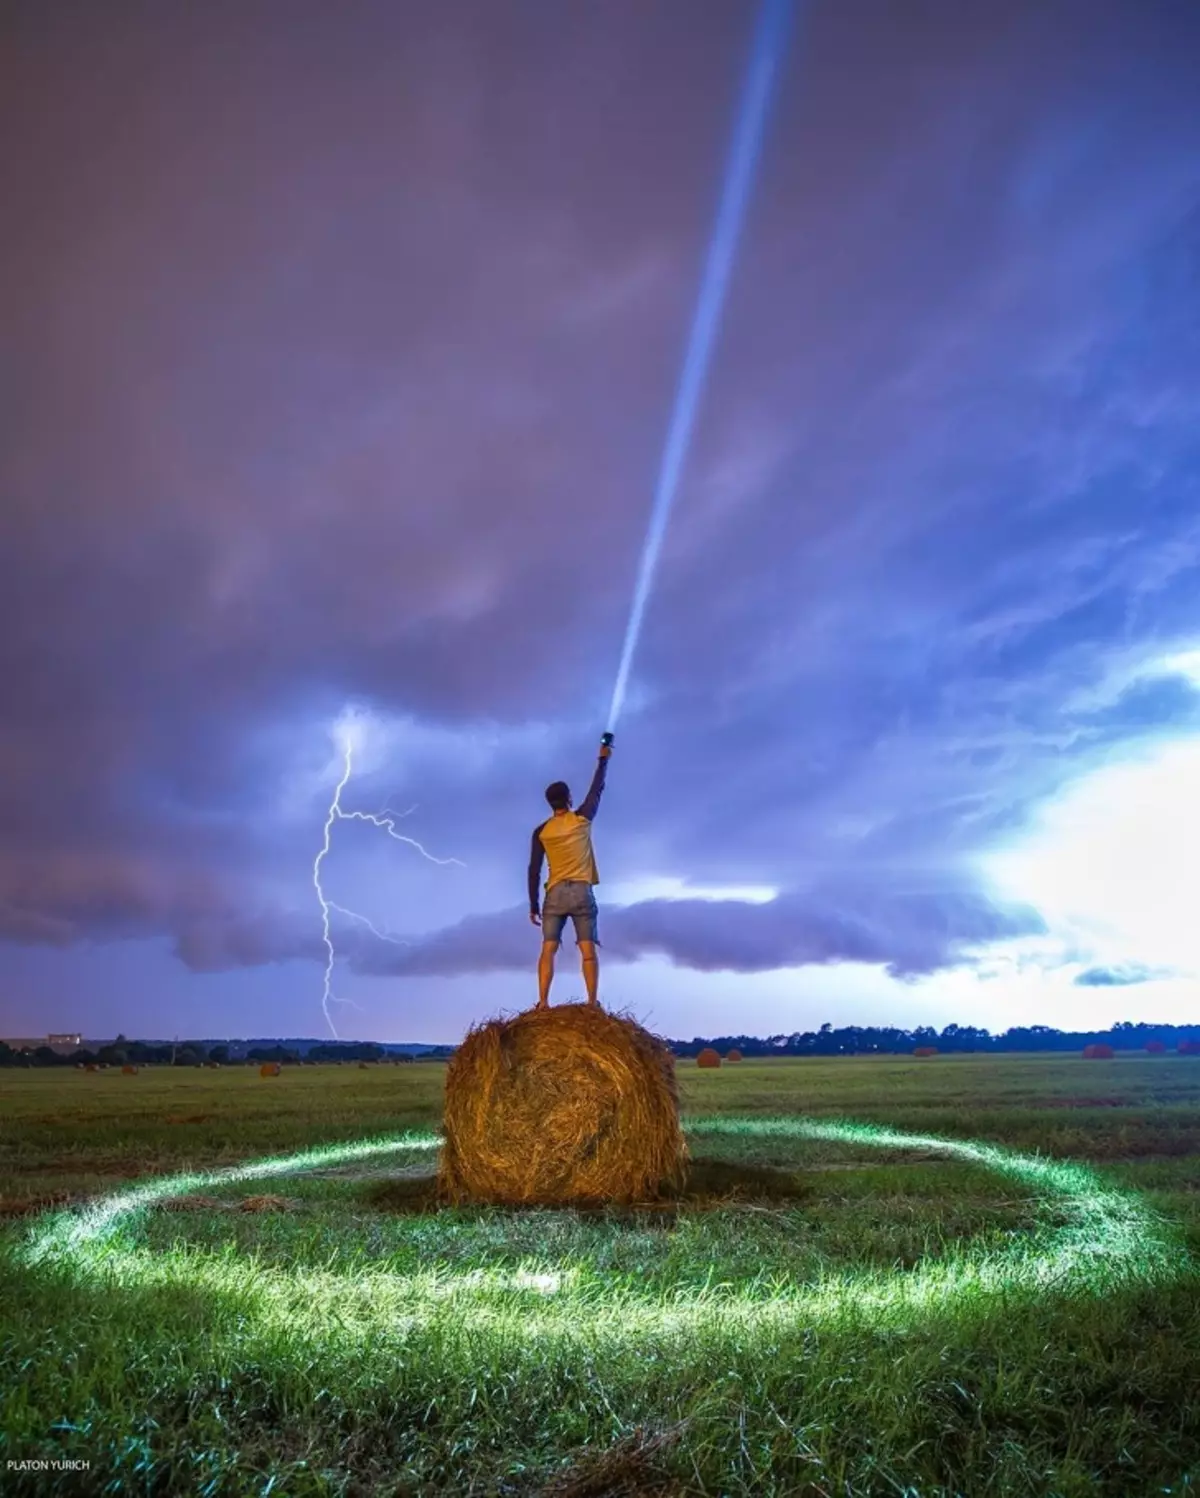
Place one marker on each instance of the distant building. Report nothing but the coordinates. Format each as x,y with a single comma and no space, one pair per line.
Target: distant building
62,1043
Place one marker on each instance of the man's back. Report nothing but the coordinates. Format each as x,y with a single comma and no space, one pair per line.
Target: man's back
565,841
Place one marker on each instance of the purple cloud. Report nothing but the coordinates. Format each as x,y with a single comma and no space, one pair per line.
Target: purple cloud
338,361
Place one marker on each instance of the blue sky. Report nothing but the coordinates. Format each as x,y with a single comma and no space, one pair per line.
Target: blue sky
340,348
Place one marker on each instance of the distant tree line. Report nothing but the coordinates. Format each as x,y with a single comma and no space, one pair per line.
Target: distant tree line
883,1040
344,1050
124,1052
121,1052
848,1040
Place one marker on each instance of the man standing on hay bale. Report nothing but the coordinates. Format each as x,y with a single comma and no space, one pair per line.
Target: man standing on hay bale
565,841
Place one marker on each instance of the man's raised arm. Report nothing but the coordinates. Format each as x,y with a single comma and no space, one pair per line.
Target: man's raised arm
591,801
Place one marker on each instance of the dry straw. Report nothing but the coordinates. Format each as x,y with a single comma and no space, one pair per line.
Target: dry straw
561,1105
708,1057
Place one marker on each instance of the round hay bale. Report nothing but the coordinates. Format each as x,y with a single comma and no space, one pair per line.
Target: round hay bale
1098,1053
270,1069
129,1071
362,1066
708,1057
734,1055
1188,1048
560,1105
1155,1048
91,1066
925,1050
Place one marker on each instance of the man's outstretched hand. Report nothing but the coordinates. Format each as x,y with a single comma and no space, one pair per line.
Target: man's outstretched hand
605,750
535,918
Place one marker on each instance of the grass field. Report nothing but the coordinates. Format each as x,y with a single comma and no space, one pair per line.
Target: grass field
825,1311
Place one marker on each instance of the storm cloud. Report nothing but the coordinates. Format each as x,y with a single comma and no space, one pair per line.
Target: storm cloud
339,347
912,935
1109,977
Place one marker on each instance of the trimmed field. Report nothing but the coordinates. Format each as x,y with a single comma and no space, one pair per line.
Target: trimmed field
948,1275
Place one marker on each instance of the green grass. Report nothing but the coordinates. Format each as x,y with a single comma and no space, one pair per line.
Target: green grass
824,1312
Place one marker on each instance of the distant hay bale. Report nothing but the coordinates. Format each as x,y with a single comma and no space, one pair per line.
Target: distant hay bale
1188,1048
734,1055
129,1071
708,1057
270,1069
1155,1048
213,1065
560,1105
362,1066
925,1050
91,1066
1098,1053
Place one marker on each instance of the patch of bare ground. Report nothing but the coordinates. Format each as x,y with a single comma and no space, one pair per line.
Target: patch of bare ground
198,1202
630,1469
267,1202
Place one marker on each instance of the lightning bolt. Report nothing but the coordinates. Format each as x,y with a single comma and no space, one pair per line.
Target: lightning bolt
396,941
386,820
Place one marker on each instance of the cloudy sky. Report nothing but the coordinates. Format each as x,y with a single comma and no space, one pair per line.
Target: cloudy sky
338,346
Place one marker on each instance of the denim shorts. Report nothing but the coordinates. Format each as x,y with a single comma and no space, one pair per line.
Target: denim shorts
574,898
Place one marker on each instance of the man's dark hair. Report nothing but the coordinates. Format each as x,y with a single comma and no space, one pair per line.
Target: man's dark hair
558,795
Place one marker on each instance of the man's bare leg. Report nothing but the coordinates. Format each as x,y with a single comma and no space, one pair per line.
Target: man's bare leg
546,973
591,969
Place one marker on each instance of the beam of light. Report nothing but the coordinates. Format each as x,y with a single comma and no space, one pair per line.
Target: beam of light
385,820
1096,1240
767,51
100,1217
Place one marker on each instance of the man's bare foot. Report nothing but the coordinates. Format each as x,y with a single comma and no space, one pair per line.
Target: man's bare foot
542,1004
593,1003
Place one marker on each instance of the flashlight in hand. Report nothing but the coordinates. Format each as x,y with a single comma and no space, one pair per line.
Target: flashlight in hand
606,741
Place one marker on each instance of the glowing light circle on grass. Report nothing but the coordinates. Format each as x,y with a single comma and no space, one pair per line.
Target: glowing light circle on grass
1108,1240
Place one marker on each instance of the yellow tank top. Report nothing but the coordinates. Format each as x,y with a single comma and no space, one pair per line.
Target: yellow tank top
567,839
